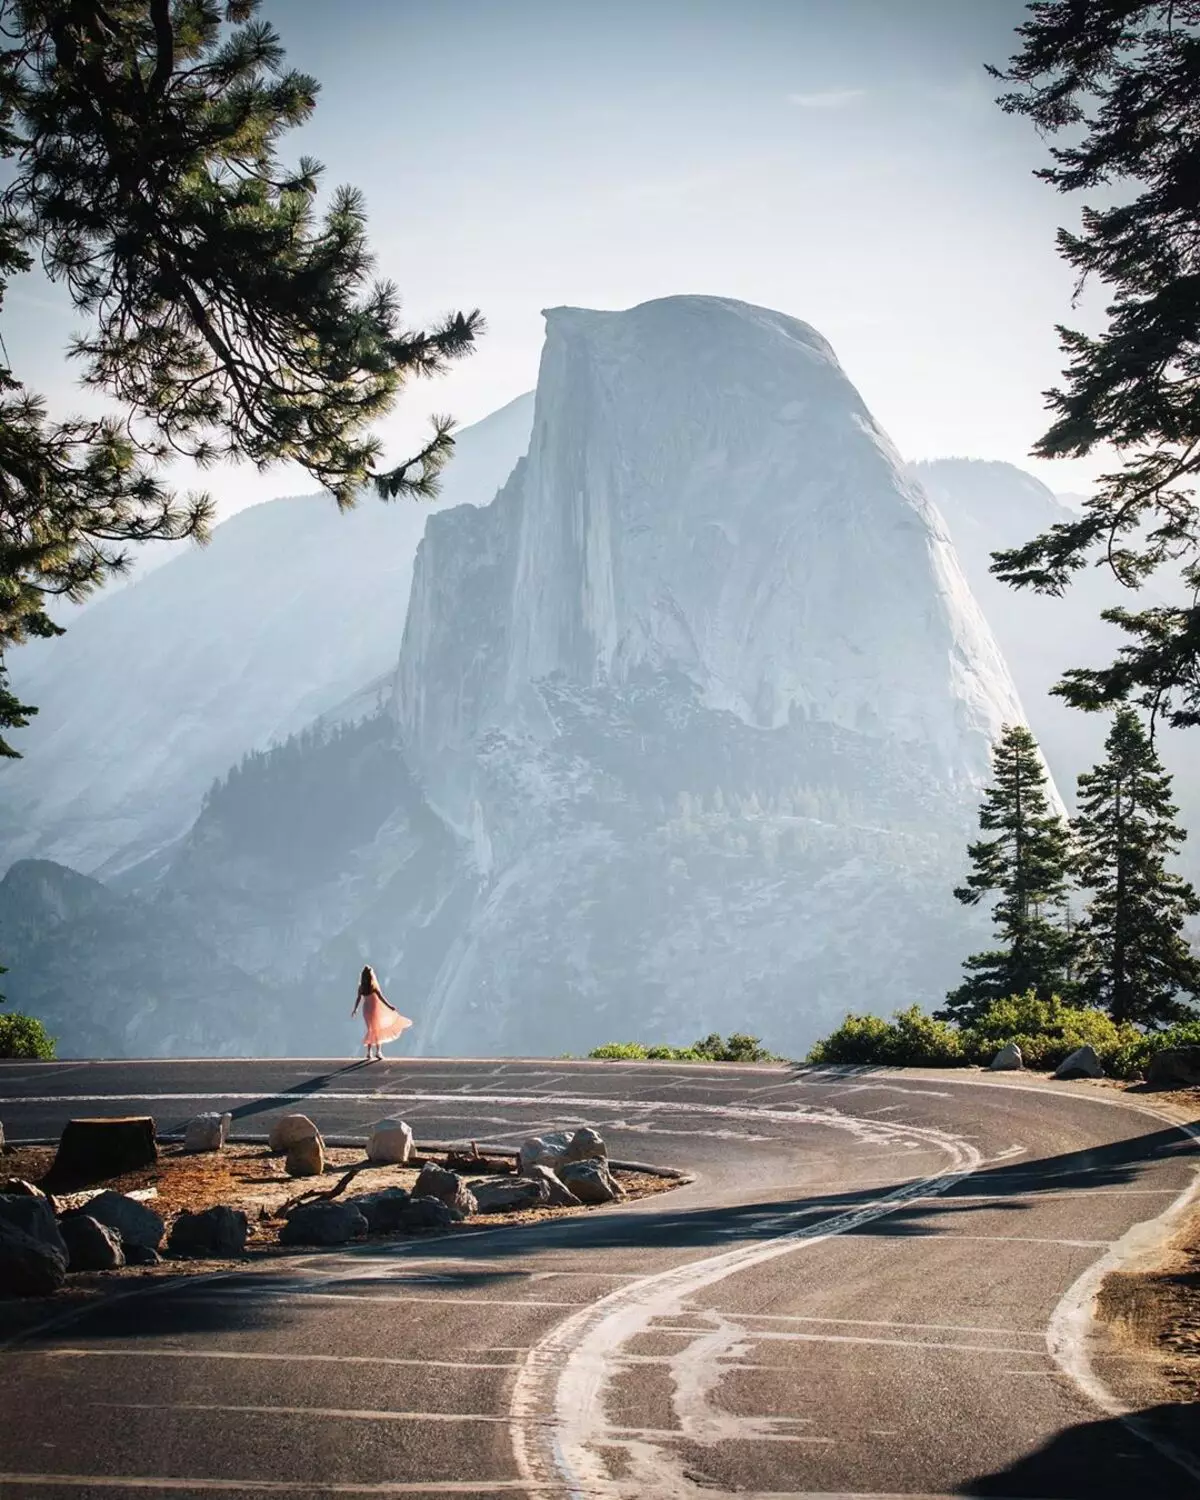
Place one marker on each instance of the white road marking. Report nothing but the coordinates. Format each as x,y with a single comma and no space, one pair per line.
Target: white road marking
367,1414
287,1486
109,1352
1010,1333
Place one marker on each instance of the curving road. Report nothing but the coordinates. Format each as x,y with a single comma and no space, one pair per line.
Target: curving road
875,1285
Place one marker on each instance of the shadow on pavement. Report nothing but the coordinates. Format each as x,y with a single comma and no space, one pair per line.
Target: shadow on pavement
285,1101
1102,1460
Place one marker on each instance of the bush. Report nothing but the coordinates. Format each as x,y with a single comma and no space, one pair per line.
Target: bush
22,1036
712,1048
1132,1059
910,1040
1047,1031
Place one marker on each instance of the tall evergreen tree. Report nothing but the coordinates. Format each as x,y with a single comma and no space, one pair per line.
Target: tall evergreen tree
1135,960
1027,864
1118,83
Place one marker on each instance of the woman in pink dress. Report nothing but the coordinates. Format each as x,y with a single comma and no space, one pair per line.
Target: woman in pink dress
383,1022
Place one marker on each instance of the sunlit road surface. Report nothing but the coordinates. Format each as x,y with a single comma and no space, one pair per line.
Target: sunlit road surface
866,1290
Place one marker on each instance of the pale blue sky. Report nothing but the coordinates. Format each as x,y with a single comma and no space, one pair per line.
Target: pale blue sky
841,160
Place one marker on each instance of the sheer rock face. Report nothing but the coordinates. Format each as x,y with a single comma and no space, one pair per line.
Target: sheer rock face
705,493
703,694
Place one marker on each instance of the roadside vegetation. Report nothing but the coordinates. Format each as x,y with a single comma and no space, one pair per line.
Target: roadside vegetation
713,1048
22,1036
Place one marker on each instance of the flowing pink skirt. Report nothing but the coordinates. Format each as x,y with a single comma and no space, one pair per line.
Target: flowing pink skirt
383,1022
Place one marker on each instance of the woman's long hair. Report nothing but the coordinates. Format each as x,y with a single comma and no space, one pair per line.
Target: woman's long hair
367,983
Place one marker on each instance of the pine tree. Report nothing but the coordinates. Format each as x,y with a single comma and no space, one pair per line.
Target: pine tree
222,316
1028,865
1121,82
1135,960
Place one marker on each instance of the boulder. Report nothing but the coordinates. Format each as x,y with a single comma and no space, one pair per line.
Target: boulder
390,1142
1082,1063
512,1195
141,1255
91,1246
305,1158
561,1195
1174,1068
289,1129
207,1132
591,1181
323,1224
17,1187
427,1213
559,1146
384,1210
95,1150
29,1267
1008,1059
214,1233
586,1145
133,1221
34,1217
448,1187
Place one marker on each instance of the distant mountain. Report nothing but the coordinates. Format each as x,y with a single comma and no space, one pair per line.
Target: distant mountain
153,692
988,507
111,976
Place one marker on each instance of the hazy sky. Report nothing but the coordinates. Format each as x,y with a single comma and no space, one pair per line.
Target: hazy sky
840,160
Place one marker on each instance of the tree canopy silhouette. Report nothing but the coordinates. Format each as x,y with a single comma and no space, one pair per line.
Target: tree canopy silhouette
1119,83
227,317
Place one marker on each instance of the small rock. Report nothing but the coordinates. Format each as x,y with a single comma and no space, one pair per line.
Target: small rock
29,1267
448,1187
207,1132
141,1255
33,1217
289,1129
212,1234
1,1135
591,1181
561,1195
1082,1063
543,1150
1174,1068
383,1210
511,1196
323,1224
427,1213
586,1145
133,1221
91,1246
17,1187
305,1158
390,1142
1008,1059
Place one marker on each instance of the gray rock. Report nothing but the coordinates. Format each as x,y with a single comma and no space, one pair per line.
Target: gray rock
384,1210
1,1135
1082,1063
141,1255
323,1224
591,1181
448,1187
390,1143
29,1267
289,1129
511,1195
306,1157
34,1217
214,1233
427,1213
586,1145
133,1221
1008,1059
561,1195
91,1246
1174,1067
17,1187
207,1132
543,1150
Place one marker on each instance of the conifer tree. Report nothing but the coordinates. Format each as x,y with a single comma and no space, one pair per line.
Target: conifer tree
223,316
1027,864
1135,960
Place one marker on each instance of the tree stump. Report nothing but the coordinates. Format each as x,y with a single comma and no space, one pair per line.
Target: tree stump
95,1150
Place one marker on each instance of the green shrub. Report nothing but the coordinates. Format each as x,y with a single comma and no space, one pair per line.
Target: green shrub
22,1036
1132,1059
910,1040
1047,1031
712,1048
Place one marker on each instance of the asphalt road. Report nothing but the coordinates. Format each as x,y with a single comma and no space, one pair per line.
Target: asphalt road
867,1290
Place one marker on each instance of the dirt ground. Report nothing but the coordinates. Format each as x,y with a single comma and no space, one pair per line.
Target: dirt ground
1154,1316
250,1178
